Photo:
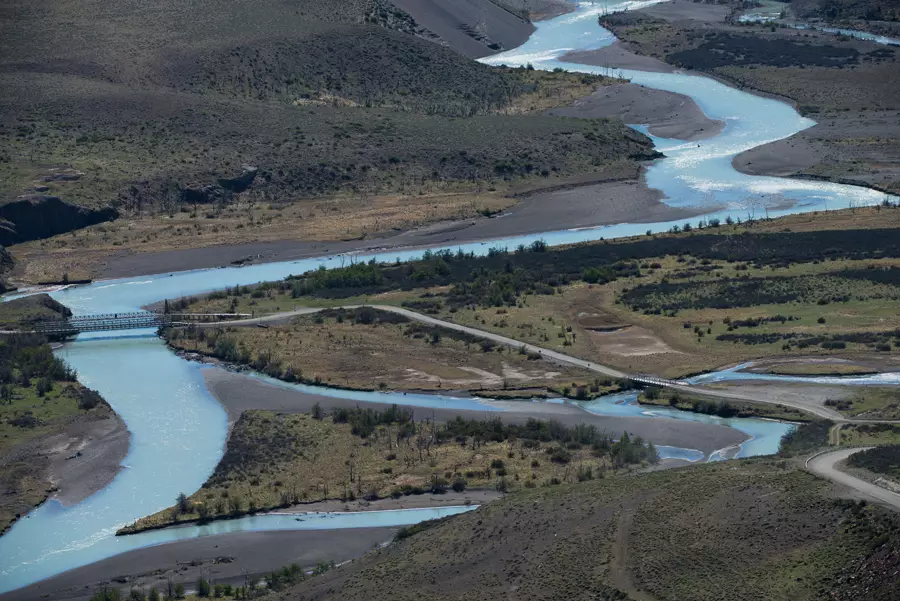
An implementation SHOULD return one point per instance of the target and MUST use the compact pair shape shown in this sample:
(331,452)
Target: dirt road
(824,465)
(752,396)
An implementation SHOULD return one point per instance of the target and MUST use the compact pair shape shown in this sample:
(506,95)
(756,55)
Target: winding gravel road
(824,465)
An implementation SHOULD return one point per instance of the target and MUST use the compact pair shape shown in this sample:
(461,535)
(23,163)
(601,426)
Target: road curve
(824,465)
(823,412)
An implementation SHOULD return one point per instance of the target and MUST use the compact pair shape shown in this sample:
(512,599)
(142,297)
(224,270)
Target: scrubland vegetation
(747,529)
(882,460)
(377,350)
(39,397)
(276,460)
(255,120)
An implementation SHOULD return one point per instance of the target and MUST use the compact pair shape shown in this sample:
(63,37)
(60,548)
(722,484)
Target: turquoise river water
(178,430)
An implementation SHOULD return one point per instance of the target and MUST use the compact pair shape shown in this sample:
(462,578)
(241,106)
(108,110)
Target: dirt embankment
(590,200)
(474,28)
(78,459)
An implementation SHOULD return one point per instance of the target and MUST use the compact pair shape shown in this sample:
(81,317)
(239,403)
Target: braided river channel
(178,430)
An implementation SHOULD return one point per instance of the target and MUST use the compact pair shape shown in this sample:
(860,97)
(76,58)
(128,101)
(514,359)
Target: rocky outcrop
(36,216)
(242,182)
(203,193)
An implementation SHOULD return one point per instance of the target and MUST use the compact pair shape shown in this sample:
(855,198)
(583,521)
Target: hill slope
(757,529)
(149,107)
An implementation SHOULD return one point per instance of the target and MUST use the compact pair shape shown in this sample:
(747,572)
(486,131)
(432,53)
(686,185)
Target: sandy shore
(239,392)
(588,203)
(474,28)
(449,499)
(667,114)
(223,558)
(78,459)
(616,56)
(856,148)
(102,443)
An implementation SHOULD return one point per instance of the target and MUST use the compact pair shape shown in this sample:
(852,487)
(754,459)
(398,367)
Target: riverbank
(591,200)
(667,115)
(847,85)
(228,558)
(58,439)
(71,462)
(240,392)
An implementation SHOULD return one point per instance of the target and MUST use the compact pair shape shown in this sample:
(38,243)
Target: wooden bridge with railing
(101,322)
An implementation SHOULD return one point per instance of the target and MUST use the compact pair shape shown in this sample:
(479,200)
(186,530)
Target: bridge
(127,321)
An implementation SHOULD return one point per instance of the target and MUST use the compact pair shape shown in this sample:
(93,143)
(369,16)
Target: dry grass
(81,253)
(391,355)
(275,460)
(586,321)
(819,369)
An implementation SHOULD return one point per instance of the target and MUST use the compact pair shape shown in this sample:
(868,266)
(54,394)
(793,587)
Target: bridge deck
(128,321)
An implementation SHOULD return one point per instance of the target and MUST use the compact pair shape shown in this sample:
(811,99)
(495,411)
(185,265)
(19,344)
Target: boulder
(242,182)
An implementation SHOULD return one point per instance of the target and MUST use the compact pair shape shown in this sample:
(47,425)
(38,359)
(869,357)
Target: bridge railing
(126,321)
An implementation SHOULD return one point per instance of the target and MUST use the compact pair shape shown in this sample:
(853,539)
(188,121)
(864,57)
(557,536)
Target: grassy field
(870,434)
(369,349)
(276,460)
(753,529)
(871,402)
(590,320)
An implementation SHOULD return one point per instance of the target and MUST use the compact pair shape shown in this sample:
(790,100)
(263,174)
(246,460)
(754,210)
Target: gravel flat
(226,558)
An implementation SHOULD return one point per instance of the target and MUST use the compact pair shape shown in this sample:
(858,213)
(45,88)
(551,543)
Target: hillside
(753,529)
(136,110)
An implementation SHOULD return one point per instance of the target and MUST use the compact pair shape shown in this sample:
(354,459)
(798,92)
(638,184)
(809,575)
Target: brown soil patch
(633,341)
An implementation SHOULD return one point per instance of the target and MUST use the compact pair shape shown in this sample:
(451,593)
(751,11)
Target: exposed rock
(200,194)
(203,193)
(36,216)
(242,182)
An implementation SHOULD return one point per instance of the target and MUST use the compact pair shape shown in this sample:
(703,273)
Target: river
(178,430)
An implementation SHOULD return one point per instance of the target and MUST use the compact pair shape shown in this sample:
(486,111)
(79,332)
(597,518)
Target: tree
(44,386)
(107,594)
(183,505)
(179,591)
(317,412)
(203,587)
(154,594)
